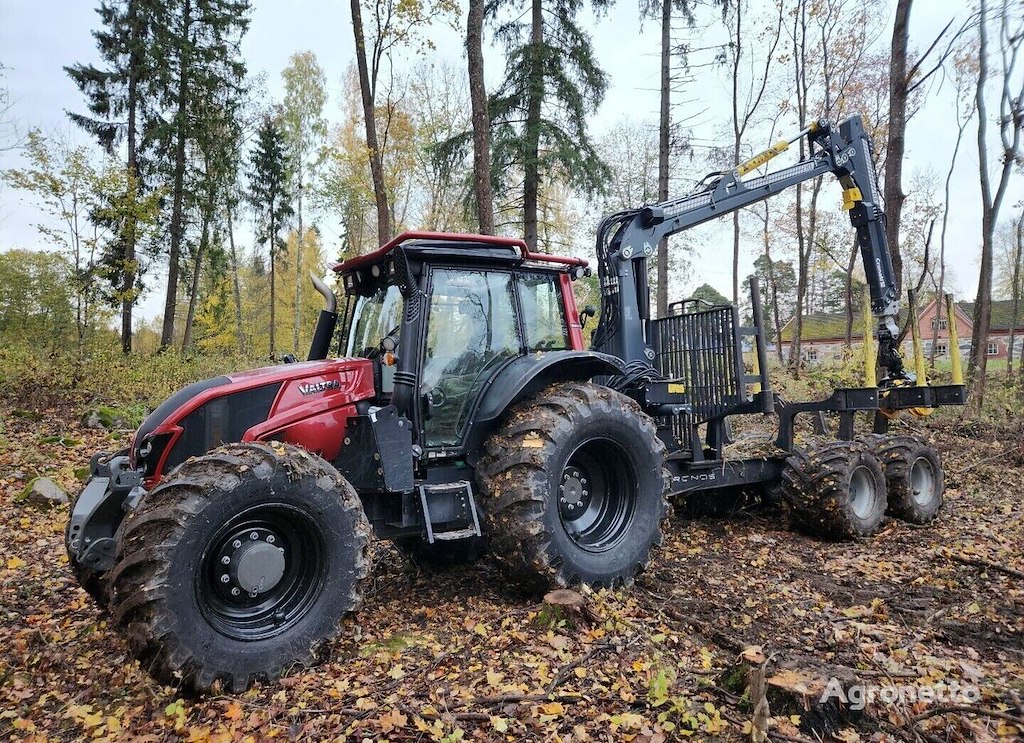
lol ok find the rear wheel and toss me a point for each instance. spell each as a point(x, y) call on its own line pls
point(836, 490)
point(238, 565)
point(574, 488)
point(914, 476)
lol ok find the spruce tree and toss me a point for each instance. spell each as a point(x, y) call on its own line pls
point(538, 116)
point(198, 44)
point(116, 97)
point(268, 194)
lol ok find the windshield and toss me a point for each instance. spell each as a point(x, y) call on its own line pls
point(376, 316)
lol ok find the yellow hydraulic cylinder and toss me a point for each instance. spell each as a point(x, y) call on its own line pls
point(954, 341)
point(869, 350)
point(915, 336)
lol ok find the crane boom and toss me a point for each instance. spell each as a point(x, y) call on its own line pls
point(627, 240)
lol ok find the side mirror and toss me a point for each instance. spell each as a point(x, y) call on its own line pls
point(588, 312)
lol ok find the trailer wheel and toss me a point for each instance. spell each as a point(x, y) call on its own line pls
point(574, 488)
point(914, 475)
point(836, 490)
point(239, 565)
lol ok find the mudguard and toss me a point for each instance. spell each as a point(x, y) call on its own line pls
point(528, 374)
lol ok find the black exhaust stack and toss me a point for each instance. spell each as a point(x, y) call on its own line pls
point(325, 324)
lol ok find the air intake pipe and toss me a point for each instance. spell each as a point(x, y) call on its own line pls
point(325, 324)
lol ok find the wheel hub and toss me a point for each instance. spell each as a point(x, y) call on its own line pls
point(574, 496)
point(251, 562)
point(257, 567)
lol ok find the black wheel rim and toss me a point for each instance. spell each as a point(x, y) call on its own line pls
point(597, 495)
point(262, 572)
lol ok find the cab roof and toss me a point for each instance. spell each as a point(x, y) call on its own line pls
point(488, 246)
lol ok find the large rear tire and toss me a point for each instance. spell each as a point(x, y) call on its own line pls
point(239, 565)
point(574, 488)
point(836, 490)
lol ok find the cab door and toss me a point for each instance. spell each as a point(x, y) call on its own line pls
point(471, 331)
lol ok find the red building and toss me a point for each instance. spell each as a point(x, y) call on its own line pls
point(824, 335)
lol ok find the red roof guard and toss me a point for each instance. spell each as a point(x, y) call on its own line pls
point(513, 242)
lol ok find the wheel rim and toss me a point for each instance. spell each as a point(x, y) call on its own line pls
point(862, 492)
point(922, 481)
point(262, 572)
point(597, 495)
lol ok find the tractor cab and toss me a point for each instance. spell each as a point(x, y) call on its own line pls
point(442, 316)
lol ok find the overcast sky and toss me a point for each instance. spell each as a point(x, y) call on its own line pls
point(38, 38)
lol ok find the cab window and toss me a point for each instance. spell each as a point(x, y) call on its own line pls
point(543, 313)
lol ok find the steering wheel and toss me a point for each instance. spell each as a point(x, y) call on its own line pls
point(438, 398)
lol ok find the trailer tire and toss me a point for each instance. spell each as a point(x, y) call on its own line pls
point(835, 491)
point(239, 565)
point(570, 444)
point(913, 473)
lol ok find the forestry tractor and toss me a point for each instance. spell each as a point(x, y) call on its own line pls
point(456, 405)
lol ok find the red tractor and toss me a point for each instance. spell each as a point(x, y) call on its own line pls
point(461, 406)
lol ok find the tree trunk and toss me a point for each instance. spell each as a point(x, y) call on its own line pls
point(942, 239)
point(983, 301)
point(893, 186)
point(664, 127)
point(737, 133)
point(273, 297)
point(130, 236)
point(481, 118)
point(186, 341)
point(370, 119)
point(299, 242)
point(178, 189)
point(1015, 290)
point(239, 331)
point(535, 96)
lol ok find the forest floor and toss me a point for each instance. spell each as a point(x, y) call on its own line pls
point(459, 655)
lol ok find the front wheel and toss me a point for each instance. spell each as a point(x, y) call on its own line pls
point(238, 565)
point(574, 488)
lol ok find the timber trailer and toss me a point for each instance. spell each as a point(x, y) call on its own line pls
point(461, 408)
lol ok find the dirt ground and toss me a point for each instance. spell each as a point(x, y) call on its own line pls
point(459, 655)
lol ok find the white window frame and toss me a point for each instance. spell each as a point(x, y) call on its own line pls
point(992, 349)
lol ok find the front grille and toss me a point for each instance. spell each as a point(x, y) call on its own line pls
point(223, 420)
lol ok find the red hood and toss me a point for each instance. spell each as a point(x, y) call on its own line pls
point(305, 403)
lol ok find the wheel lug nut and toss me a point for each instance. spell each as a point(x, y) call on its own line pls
point(254, 535)
point(579, 504)
point(225, 578)
point(235, 591)
point(585, 494)
point(236, 544)
point(225, 560)
point(271, 538)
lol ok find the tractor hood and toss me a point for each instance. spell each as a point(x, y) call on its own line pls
point(306, 403)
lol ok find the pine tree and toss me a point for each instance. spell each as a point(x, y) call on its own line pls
point(268, 194)
point(116, 97)
point(538, 116)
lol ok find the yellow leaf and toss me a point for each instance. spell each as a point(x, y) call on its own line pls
point(234, 711)
point(499, 724)
point(15, 562)
point(481, 630)
point(552, 708)
point(494, 678)
point(534, 442)
point(91, 721)
point(580, 671)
